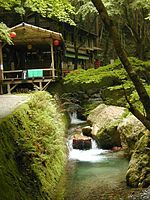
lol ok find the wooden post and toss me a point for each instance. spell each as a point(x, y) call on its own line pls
point(40, 86)
point(1, 68)
point(52, 57)
point(8, 89)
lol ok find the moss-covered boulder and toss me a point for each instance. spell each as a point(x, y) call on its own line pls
point(138, 174)
point(32, 150)
point(131, 130)
point(108, 137)
point(105, 120)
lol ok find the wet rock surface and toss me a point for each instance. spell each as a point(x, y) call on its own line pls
point(131, 130)
point(87, 131)
point(81, 142)
point(105, 120)
point(144, 195)
point(138, 174)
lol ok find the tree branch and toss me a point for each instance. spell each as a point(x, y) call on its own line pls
point(144, 97)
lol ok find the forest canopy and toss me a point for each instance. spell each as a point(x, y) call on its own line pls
point(60, 9)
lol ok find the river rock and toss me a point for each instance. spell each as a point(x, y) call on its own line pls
point(87, 131)
point(105, 120)
point(138, 174)
point(131, 130)
point(81, 142)
point(143, 195)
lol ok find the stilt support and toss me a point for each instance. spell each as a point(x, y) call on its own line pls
point(9, 88)
point(1, 88)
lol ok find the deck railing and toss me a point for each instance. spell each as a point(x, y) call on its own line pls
point(28, 74)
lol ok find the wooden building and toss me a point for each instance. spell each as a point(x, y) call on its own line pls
point(85, 38)
point(35, 58)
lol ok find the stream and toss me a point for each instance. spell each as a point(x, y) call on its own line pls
point(95, 174)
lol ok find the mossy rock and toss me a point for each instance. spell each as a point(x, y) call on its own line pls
point(105, 120)
point(108, 138)
point(131, 130)
point(138, 174)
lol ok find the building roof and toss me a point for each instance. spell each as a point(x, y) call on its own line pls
point(27, 33)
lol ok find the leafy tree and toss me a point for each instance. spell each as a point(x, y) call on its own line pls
point(133, 15)
point(144, 4)
point(143, 95)
point(132, 21)
point(61, 9)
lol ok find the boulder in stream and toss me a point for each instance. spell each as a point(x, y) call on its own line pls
point(87, 131)
point(105, 120)
point(131, 130)
point(81, 142)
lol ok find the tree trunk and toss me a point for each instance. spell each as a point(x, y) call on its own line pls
point(144, 97)
point(140, 49)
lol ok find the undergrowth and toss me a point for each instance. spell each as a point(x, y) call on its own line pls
point(32, 150)
point(111, 81)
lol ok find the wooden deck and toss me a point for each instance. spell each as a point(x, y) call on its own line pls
point(40, 40)
point(12, 78)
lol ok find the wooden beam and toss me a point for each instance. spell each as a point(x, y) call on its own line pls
point(8, 89)
point(1, 69)
point(36, 86)
point(19, 81)
point(45, 86)
point(13, 87)
point(1, 62)
point(52, 58)
point(1, 88)
point(40, 86)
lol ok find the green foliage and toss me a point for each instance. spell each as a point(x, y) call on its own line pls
point(112, 74)
point(104, 76)
point(89, 106)
point(114, 7)
point(84, 8)
point(144, 4)
point(118, 7)
point(111, 81)
point(134, 98)
point(4, 33)
point(61, 9)
point(33, 152)
point(8, 4)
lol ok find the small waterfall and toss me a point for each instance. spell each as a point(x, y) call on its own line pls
point(74, 119)
point(91, 155)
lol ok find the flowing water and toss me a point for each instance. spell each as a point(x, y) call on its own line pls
point(95, 174)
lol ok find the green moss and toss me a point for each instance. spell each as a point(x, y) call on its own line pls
point(138, 172)
point(33, 152)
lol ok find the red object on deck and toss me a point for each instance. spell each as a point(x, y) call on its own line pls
point(12, 34)
point(56, 42)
